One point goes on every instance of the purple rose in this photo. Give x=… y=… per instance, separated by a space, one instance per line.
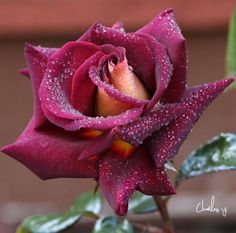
x=112 y=106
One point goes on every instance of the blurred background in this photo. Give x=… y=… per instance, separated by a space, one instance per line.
x=53 y=22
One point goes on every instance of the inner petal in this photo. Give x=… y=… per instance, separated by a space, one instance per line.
x=122 y=78
x=108 y=106
x=125 y=80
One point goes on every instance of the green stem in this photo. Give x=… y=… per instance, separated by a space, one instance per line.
x=162 y=207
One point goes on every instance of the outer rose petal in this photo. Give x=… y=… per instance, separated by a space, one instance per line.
x=137 y=131
x=165 y=29
x=165 y=143
x=37 y=58
x=119 y=178
x=51 y=152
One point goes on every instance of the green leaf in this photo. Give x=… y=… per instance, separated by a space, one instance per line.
x=219 y=154
x=88 y=202
x=112 y=224
x=50 y=223
x=140 y=203
x=21 y=230
x=85 y=205
x=231 y=49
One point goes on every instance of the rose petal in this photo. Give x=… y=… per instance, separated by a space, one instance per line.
x=138 y=54
x=126 y=81
x=98 y=145
x=108 y=106
x=51 y=152
x=37 y=58
x=165 y=29
x=136 y=132
x=118 y=178
x=165 y=144
x=25 y=72
x=118 y=52
x=81 y=99
x=86 y=36
x=99 y=123
x=94 y=74
x=55 y=89
x=163 y=68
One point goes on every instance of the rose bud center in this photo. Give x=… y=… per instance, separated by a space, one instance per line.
x=126 y=82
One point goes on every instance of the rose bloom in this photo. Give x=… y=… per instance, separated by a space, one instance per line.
x=112 y=106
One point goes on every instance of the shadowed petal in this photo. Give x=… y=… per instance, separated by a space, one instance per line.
x=98 y=145
x=119 y=178
x=165 y=144
x=116 y=52
x=51 y=152
x=81 y=99
x=165 y=29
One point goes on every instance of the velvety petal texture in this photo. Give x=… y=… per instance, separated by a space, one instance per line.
x=138 y=53
x=163 y=68
x=118 y=178
x=165 y=143
x=55 y=89
x=81 y=100
x=137 y=131
x=165 y=29
x=112 y=106
x=37 y=59
x=51 y=152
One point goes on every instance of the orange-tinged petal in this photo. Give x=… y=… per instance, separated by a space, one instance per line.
x=125 y=80
x=108 y=106
x=90 y=133
x=122 y=148
x=94 y=157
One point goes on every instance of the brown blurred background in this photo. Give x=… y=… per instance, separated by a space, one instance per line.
x=51 y=23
